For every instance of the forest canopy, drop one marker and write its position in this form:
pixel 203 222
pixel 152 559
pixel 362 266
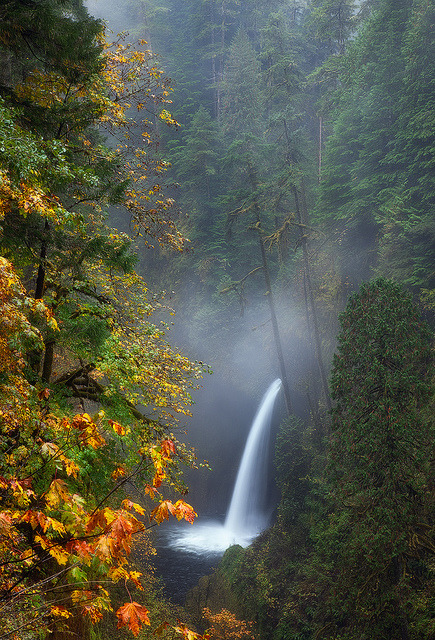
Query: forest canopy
pixel 280 188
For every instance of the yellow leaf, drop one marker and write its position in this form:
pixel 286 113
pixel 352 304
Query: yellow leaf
pixel 57 493
pixel 60 611
pixel 128 504
pixel 59 554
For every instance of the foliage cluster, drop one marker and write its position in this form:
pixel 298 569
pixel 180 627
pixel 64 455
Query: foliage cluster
pixel 316 116
pixel 309 126
pixel 306 157
pixel 351 554
pixel 76 335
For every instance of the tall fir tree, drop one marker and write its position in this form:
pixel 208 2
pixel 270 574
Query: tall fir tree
pixel 374 547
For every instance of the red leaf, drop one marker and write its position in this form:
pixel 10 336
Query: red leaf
pixel 168 448
pixel 133 616
pixel 43 394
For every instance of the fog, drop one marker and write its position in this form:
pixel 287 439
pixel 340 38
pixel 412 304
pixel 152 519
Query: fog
pixel 240 348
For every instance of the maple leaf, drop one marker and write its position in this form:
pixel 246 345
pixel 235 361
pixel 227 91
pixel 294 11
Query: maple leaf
pixel 184 510
pixel 59 554
pixel 118 428
pixel 93 611
pixel 151 491
pixel 82 549
pixel 105 548
pixel 49 449
pixel 119 472
pixel 43 394
pixel 70 466
pixel 188 633
pixel 5 524
pixel 35 518
pixel 159 462
pixel 57 493
pixel 88 431
pixel 60 611
pixel 133 616
pixel 159 476
pixel 128 504
pixel 54 524
pixel 168 448
pixel 97 519
pixel 121 529
pixel 134 577
pixel 162 511
pixel 118 573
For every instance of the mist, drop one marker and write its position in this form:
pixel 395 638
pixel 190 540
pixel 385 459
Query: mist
pixel 232 332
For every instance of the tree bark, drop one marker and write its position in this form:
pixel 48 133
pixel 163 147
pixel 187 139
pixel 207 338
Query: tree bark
pixel 47 360
pixel 40 278
pixel 317 341
pixel 275 327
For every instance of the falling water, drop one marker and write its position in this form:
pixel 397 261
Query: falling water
pixel 246 517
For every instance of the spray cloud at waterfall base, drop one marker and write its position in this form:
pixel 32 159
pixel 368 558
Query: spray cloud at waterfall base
pixel 246 516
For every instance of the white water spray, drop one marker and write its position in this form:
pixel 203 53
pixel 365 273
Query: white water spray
pixel 246 517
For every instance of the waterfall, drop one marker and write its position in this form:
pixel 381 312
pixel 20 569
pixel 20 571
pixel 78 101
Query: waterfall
pixel 246 516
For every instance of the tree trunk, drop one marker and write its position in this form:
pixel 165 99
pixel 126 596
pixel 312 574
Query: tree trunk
pixel 40 278
pixel 47 366
pixel 302 219
pixel 317 341
pixel 48 357
pixel 320 149
pixel 276 333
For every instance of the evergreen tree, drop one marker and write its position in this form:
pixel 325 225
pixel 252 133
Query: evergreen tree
pixel 333 21
pixel 376 174
pixel 374 549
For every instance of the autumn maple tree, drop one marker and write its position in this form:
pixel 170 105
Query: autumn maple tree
pixel 55 538
pixel 80 353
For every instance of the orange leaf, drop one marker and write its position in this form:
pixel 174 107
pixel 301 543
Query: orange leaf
pixel 118 428
pixel 97 519
pixel 57 493
pixel 6 524
pixel 168 448
pixel 184 510
pixel 82 549
pixel 133 616
pixel 162 511
pixel 43 394
pixel 187 633
pixel 118 473
pixel 121 529
pixel 105 548
pixel 151 491
pixel 128 504
pixel 88 431
pixel 159 476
